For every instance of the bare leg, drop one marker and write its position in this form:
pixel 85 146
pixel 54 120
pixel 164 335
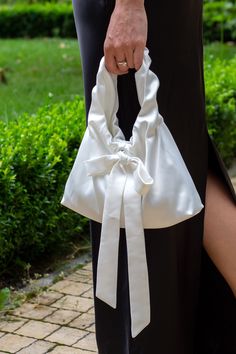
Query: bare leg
pixel 220 228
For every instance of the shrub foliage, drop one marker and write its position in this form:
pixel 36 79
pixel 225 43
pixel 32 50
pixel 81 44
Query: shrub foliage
pixel 220 82
pixel 219 21
pixel 36 155
pixel 37 20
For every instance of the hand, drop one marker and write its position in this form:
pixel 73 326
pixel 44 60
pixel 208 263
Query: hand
pixel 126 36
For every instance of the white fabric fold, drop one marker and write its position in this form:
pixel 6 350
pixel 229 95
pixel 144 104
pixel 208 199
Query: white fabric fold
pixel 128 182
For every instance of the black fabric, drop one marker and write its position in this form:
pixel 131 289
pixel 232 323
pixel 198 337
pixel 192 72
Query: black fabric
pixel 192 308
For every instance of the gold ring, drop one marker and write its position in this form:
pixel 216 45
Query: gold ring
pixel 122 62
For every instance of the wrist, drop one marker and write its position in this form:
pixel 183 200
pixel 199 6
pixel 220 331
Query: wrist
pixel 131 3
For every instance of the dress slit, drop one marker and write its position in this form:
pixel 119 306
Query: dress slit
pixel 216 163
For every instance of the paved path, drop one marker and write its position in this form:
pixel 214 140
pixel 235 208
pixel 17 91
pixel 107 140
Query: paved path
pixel 58 321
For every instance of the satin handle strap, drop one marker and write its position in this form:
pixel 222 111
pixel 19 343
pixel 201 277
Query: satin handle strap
pixel 147 84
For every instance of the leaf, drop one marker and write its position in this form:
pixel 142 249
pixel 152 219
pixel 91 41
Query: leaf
pixel 4 297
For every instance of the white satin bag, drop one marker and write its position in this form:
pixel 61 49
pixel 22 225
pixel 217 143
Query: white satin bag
pixel 135 184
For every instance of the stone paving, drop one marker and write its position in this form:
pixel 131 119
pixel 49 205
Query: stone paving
pixel 59 320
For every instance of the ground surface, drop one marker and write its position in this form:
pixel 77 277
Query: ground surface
pixel 58 321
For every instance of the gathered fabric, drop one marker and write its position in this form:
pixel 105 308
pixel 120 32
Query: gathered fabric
pixel 135 184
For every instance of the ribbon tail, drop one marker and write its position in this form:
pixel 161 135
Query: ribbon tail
pixel 137 262
pixel 107 267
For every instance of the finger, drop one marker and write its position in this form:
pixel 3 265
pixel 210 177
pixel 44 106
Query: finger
pixel 114 69
pixel 120 58
pixel 110 63
pixel 110 60
pixel 138 57
pixel 130 57
pixel 126 72
pixel 122 66
pixel 122 69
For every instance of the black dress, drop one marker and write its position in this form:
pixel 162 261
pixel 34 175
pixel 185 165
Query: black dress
pixel 192 307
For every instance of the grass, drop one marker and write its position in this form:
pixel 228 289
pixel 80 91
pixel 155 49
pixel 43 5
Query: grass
pixel 38 71
pixel 45 70
pixel 219 50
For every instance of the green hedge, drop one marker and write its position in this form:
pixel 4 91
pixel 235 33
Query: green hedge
pixel 31 2
pixel 36 155
pixel 220 82
pixel 219 21
pixel 38 20
pixel 56 19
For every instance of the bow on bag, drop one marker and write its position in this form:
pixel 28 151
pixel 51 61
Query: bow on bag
pixel 128 182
